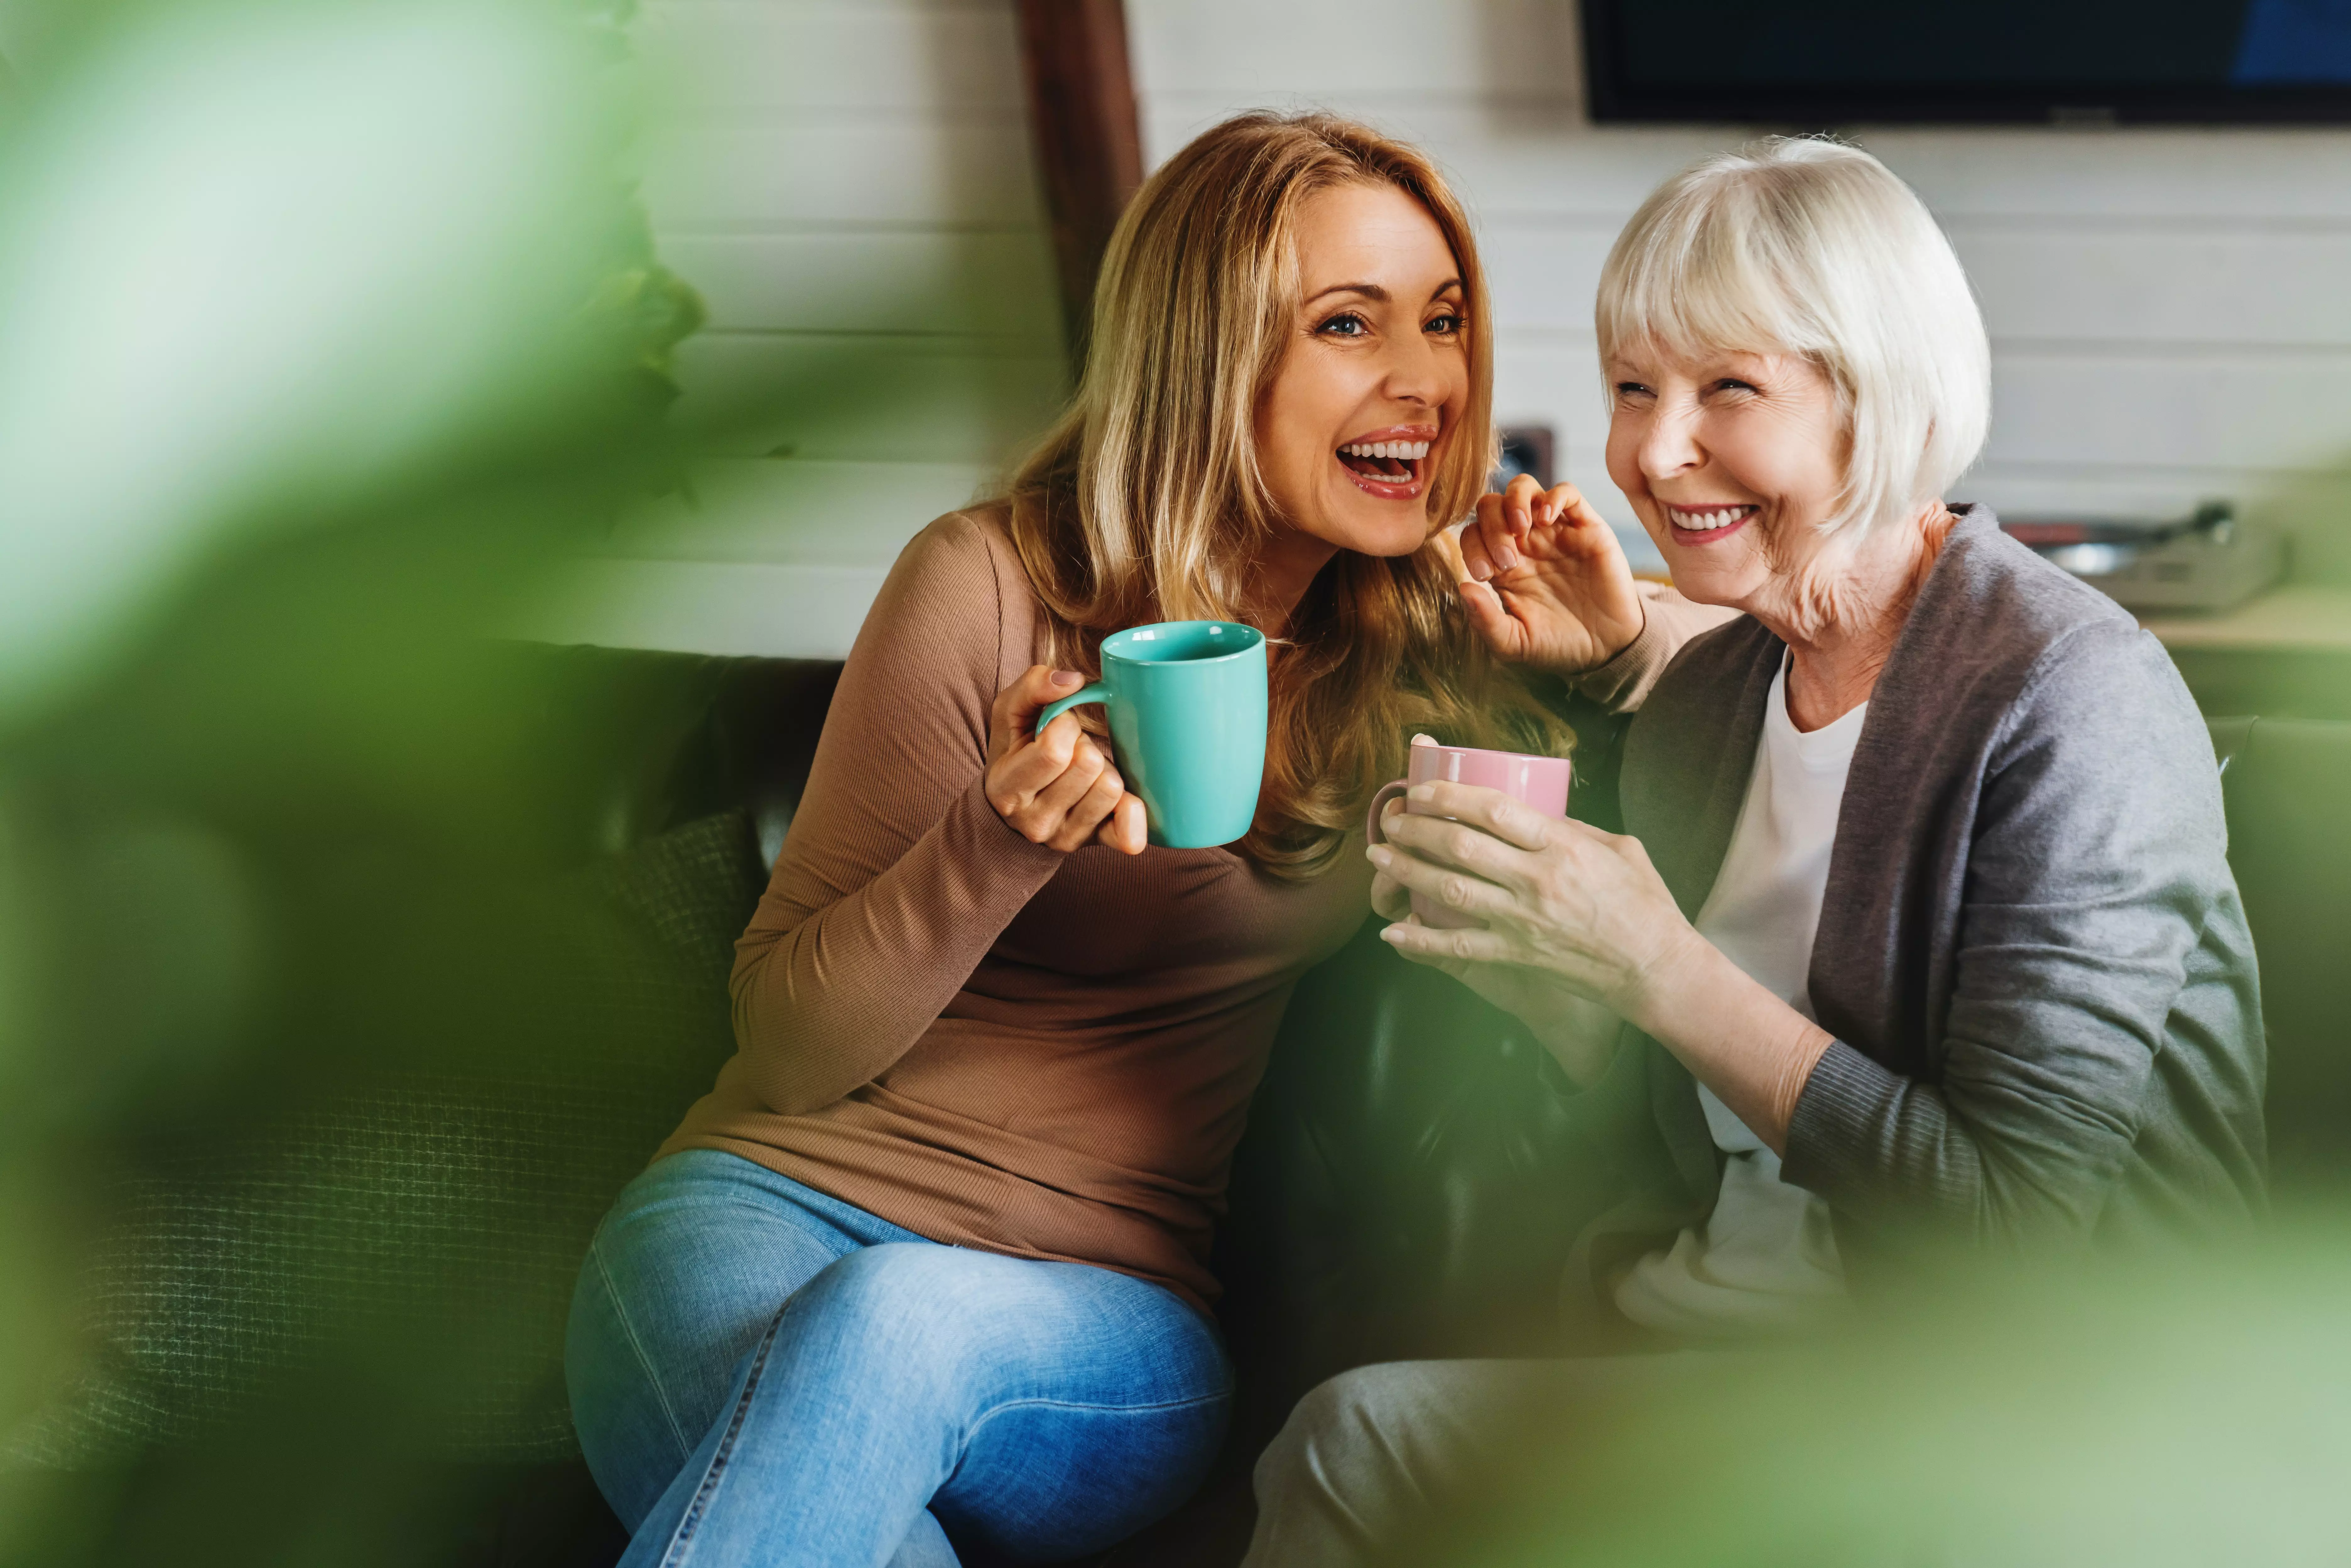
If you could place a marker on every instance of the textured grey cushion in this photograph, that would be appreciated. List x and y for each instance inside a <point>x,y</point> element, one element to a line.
<point>426,1215</point>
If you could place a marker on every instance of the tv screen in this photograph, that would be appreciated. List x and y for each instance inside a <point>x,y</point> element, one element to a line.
<point>1816,63</point>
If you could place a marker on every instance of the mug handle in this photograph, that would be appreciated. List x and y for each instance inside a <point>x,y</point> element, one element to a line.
<point>1099,692</point>
<point>1388,792</point>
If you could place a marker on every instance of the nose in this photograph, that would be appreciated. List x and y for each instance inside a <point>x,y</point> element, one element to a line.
<point>1669,447</point>
<point>1415,372</point>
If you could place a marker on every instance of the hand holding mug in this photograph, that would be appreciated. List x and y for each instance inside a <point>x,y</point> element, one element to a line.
<point>1541,783</point>
<point>1547,584</point>
<point>1519,887</point>
<point>1428,895</point>
<point>1055,786</point>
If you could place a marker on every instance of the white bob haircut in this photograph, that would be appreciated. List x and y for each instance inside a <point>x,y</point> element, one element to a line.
<point>1803,246</point>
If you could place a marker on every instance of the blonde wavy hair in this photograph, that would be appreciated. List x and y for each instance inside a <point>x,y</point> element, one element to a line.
<point>1145,501</point>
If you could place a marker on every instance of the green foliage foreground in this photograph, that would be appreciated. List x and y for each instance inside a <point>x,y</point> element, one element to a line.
<point>326,329</point>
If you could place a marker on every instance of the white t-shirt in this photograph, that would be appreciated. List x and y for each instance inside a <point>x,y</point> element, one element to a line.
<point>1765,1260</point>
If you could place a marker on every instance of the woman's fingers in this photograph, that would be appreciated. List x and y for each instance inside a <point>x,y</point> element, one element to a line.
<point>1512,821</point>
<point>1448,885</point>
<point>1015,778</point>
<point>1489,541</point>
<point>1567,508</point>
<point>1477,556</point>
<point>1446,949</point>
<point>1523,503</point>
<point>1014,712</point>
<point>1492,620</point>
<point>1083,765</point>
<point>1084,798</point>
<point>1128,828</point>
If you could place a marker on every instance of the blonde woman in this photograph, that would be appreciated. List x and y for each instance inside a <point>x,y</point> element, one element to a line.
<point>1922,938</point>
<point>932,1253</point>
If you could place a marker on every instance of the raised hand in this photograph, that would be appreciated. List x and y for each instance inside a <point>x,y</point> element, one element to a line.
<point>1057,788</point>
<point>1547,584</point>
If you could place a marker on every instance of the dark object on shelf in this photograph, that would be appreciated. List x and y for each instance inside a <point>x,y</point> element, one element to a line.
<point>1820,63</point>
<point>1526,449</point>
<point>2208,560</point>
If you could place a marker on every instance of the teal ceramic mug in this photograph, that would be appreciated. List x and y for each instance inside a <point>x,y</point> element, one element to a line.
<point>1186,705</point>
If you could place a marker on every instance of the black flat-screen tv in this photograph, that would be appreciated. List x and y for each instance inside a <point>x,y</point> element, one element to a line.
<point>1820,63</point>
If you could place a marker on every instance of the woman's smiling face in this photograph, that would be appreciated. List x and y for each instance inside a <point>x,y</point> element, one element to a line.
<point>1728,459</point>
<point>1376,376</point>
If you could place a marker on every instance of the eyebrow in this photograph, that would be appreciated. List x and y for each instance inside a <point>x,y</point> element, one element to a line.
<point>1375,292</point>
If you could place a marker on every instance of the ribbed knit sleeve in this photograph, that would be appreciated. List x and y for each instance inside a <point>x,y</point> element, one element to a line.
<point>897,875</point>
<point>2097,871</point>
<point>1622,683</point>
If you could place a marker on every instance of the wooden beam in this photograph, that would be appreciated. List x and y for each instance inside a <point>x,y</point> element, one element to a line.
<point>1088,141</point>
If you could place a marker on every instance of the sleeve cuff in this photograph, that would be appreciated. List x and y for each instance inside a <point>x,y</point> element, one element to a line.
<point>1848,1105</point>
<point>1668,623</point>
<point>1003,864</point>
<point>1619,684</point>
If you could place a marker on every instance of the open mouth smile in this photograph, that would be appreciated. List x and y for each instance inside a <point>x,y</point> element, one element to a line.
<point>1698,525</point>
<point>1392,464</point>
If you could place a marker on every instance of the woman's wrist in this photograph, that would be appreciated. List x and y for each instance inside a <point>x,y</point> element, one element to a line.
<point>1580,1036</point>
<point>1654,991</point>
<point>1623,649</point>
<point>1753,1050</point>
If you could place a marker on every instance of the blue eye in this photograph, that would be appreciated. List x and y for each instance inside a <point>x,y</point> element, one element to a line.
<point>1356,324</point>
<point>1444,326</point>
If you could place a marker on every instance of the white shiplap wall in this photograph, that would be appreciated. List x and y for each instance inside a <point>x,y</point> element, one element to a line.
<point>849,183</point>
<point>2170,310</point>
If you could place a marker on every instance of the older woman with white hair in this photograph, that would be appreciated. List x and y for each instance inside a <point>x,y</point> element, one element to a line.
<point>1921,941</point>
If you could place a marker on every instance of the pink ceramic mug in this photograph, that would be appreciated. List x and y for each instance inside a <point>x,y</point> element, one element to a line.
<point>1539,782</point>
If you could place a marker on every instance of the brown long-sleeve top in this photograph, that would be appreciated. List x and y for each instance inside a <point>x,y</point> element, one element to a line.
<point>990,1042</point>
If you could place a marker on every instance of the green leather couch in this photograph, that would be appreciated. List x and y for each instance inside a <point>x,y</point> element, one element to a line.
<point>1406,1187</point>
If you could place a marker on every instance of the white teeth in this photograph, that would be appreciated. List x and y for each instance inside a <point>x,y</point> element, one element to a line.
<point>1397,449</point>
<point>1698,522</point>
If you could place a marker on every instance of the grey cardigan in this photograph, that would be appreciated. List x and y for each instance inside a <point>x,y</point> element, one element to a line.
<point>2032,951</point>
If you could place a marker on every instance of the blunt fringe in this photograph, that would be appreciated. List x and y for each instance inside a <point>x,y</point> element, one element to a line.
<point>1145,501</point>
<point>1807,245</point>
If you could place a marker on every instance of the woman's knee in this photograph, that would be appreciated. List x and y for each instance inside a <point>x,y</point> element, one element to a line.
<point>906,1310</point>
<point>623,1408</point>
<point>973,1329</point>
<point>681,1281</point>
<point>1350,1443</point>
<point>1336,1413</point>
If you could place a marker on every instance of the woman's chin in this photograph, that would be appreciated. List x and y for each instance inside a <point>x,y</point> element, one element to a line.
<point>1704,580</point>
<point>1379,528</point>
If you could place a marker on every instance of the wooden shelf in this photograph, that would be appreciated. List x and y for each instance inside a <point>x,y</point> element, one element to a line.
<point>2296,618</point>
<point>2286,654</point>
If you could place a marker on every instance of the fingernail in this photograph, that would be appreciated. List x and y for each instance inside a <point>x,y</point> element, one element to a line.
<point>1380,855</point>
<point>1067,678</point>
<point>1388,933</point>
<point>1480,572</point>
<point>1421,792</point>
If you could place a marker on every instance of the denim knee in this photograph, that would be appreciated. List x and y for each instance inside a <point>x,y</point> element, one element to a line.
<point>911,1310</point>
<point>629,1431</point>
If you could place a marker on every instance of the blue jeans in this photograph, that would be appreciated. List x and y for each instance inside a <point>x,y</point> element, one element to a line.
<point>764,1374</point>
